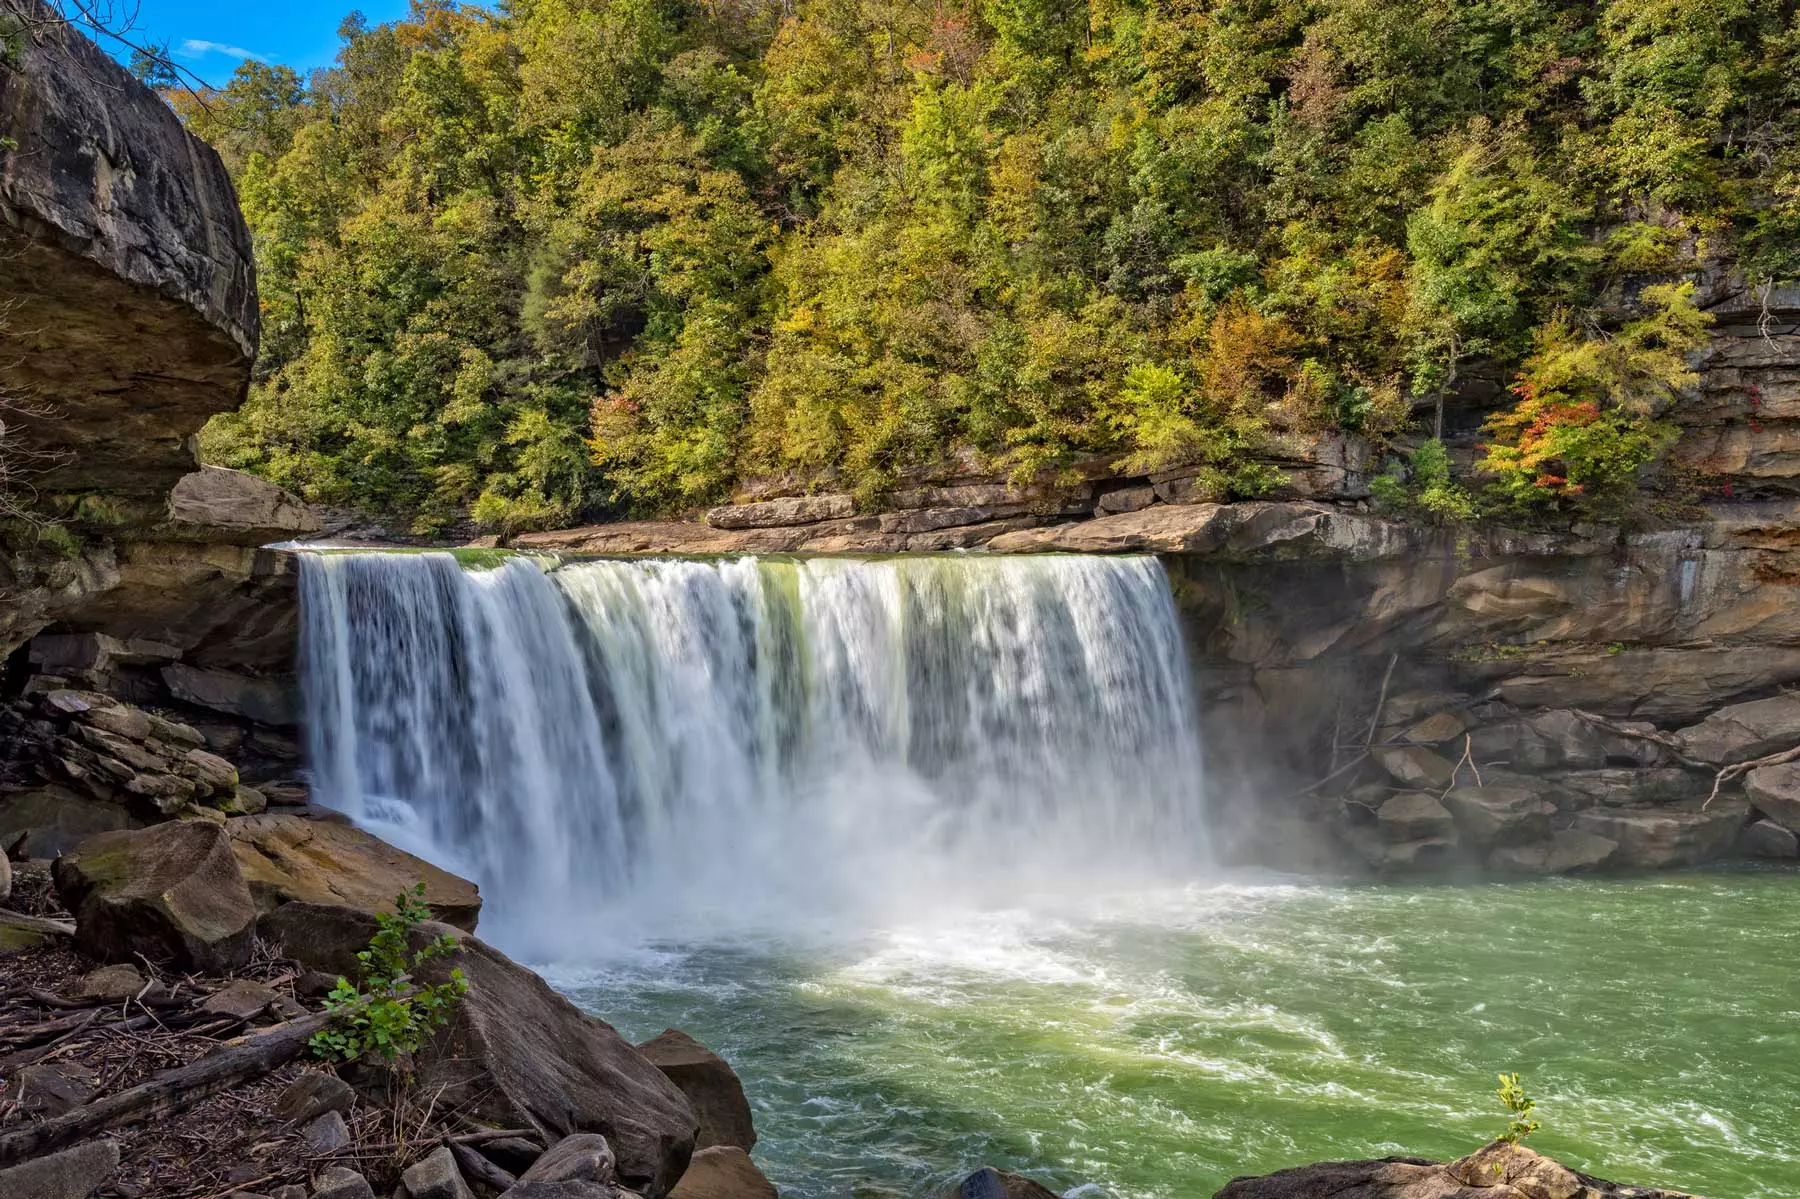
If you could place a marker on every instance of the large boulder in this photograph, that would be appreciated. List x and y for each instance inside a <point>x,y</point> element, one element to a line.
<point>711,1086</point>
<point>1500,815</point>
<point>1744,731</point>
<point>1766,839</point>
<point>72,1174</point>
<point>1775,790</point>
<point>723,1172</point>
<point>1412,815</point>
<point>989,1183</point>
<point>54,820</point>
<point>170,892</point>
<point>1657,838</point>
<point>517,1054</point>
<point>228,505</point>
<point>288,857</point>
<point>1566,852</point>
<point>1416,766</point>
<point>1499,1171</point>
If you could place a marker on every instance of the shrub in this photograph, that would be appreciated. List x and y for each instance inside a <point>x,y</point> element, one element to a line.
<point>1422,486</point>
<point>387,1013</point>
<point>1522,1106</point>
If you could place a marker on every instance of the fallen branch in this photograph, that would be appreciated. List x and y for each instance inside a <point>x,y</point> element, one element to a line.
<point>480,1170</point>
<point>169,1092</point>
<point>1380,701</point>
<point>1739,769</point>
<point>1469,757</point>
<point>1654,736</point>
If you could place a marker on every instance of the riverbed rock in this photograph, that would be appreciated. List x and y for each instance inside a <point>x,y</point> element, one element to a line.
<point>1567,851</point>
<point>723,1172</point>
<point>436,1177</point>
<point>72,1174</point>
<point>1744,731</point>
<point>170,892</point>
<point>1768,840</point>
<point>1521,1174</point>
<point>1658,838</point>
<point>1775,790</point>
<point>711,1086</point>
<point>1500,815</point>
<point>1412,815</point>
<point>285,858</point>
<point>989,1183</point>
<point>580,1157</point>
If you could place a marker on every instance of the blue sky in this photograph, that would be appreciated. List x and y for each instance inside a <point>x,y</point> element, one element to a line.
<point>210,37</point>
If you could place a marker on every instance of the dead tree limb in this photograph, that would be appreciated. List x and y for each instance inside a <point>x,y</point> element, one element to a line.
<point>1739,769</point>
<point>169,1092</point>
<point>1654,736</point>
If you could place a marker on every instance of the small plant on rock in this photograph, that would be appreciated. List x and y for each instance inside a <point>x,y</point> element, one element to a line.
<point>1523,1107</point>
<point>387,1013</point>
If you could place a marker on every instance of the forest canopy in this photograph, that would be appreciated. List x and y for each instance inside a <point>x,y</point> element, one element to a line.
<point>561,257</point>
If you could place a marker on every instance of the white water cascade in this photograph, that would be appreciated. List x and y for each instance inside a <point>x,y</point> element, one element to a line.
<point>729,737</point>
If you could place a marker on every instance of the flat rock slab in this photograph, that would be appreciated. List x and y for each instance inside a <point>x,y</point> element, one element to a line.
<point>286,858</point>
<point>1499,1171</point>
<point>72,1174</point>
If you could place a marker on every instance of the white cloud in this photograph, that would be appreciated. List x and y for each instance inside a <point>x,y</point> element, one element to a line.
<point>199,48</point>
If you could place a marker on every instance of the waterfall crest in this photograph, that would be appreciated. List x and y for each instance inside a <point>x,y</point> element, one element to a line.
<point>808,734</point>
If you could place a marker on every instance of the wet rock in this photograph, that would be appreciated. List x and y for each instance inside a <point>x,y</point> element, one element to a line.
<point>1744,731</point>
<point>1500,815</point>
<point>989,1183</point>
<point>112,983</point>
<point>170,892</point>
<point>1619,787</point>
<point>1434,730</point>
<point>1766,839</point>
<point>286,858</point>
<point>72,1174</point>
<point>583,1157</point>
<point>1775,790</point>
<point>1426,853</point>
<point>711,1086</point>
<point>312,1095</point>
<point>335,1182</point>
<point>436,1177</point>
<point>723,1172</point>
<point>1672,836</point>
<point>1568,851</point>
<point>1499,1171</point>
<point>1413,815</point>
<point>1415,766</point>
<point>51,1089</point>
<point>326,1133</point>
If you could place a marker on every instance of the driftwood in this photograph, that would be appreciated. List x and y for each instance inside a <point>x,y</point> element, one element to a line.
<point>1655,736</point>
<point>1739,769</point>
<point>169,1092</point>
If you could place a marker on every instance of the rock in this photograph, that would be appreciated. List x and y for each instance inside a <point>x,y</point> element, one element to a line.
<point>517,1054</point>
<point>72,1174</point>
<point>55,819</point>
<point>50,1090</point>
<point>436,1177</point>
<point>989,1183</point>
<point>264,701</point>
<point>243,998</point>
<point>583,1157</point>
<point>244,801</point>
<point>711,1087</point>
<point>794,510</point>
<point>1125,499</point>
<point>112,983</point>
<point>6,877</point>
<point>335,1182</point>
<point>1678,835</point>
<point>1500,815</point>
<point>723,1172</point>
<point>228,505</point>
<point>563,1190</point>
<point>290,1191</point>
<point>1415,766</point>
<point>1412,815</point>
<point>1521,1174</point>
<point>1554,740</point>
<point>1426,853</point>
<point>1744,731</point>
<point>171,892</point>
<point>285,858</point>
<point>1253,530</point>
<point>1766,839</point>
<point>512,1154</point>
<point>1619,787</point>
<point>326,1134</point>
<point>1775,790</point>
<point>1566,852</point>
<point>212,773</point>
<point>312,1095</point>
<point>1436,729</point>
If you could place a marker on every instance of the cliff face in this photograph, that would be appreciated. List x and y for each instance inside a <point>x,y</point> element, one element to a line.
<point>130,318</point>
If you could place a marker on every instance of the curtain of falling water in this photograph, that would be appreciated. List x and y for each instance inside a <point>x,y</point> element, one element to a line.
<point>757,732</point>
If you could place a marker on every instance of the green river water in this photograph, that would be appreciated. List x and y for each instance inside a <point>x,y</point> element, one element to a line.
<point>1156,1044</point>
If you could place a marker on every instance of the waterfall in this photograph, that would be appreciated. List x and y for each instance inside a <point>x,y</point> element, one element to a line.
<point>755,733</point>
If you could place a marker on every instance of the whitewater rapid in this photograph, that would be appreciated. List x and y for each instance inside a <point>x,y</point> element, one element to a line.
<point>756,738</point>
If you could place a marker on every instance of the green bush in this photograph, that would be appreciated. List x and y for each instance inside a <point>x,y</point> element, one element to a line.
<point>1422,487</point>
<point>387,1013</point>
<point>1522,1106</point>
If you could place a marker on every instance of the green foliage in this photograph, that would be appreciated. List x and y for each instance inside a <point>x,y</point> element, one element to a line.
<point>560,257</point>
<point>1423,487</point>
<point>1522,1107</point>
<point>387,1012</point>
